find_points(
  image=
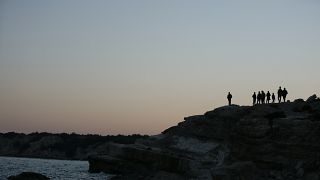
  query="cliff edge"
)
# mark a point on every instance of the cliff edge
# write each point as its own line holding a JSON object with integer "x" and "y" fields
{"x": 269, "y": 141}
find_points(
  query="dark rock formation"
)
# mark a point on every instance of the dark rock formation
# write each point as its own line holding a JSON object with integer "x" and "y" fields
{"x": 132, "y": 158}
{"x": 28, "y": 176}
{"x": 269, "y": 141}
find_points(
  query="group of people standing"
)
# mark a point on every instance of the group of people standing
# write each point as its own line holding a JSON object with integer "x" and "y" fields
{"x": 262, "y": 97}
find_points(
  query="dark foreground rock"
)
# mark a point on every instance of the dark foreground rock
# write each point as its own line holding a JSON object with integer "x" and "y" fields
{"x": 261, "y": 142}
{"x": 28, "y": 176}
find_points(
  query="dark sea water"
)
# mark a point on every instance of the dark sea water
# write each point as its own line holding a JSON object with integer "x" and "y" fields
{"x": 54, "y": 169}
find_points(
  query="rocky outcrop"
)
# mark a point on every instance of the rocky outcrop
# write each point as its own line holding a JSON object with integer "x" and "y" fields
{"x": 269, "y": 141}
{"x": 28, "y": 176}
{"x": 132, "y": 158}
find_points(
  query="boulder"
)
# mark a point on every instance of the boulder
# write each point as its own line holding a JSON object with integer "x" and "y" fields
{"x": 312, "y": 98}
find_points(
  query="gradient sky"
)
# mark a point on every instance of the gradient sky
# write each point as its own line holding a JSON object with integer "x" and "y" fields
{"x": 123, "y": 66}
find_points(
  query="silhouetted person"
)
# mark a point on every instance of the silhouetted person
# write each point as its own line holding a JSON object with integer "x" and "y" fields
{"x": 268, "y": 97}
{"x": 273, "y": 97}
{"x": 254, "y": 98}
{"x": 284, "y": 94}
{"x": 229, "y": 97}
{"x": 259, "y": 97}
{"x": 263, "y": 97}
{"x": 279, "y": 94}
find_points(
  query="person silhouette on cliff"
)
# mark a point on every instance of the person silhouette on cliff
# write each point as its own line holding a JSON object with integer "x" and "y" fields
{"x": 263, "y": 97}
{"x": 259, "y": 97}
{"x": 254, "y": 98}
{"x": 273, "y": 97}
{"x": 284, "y": 94}
{"x": 268, "y": 97}
{"x": 279, "y": 94}
{"x": 229, "y": 97}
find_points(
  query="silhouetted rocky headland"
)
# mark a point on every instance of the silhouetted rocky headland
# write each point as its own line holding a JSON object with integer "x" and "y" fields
{"x": 269, "y": 141}
{"x": 58, "y": 146}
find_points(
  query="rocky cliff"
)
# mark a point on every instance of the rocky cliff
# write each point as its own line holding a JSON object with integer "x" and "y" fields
{"x": 269, "y": 141}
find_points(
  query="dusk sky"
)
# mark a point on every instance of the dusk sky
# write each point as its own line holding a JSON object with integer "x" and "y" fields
{"x": 135, "y": 66}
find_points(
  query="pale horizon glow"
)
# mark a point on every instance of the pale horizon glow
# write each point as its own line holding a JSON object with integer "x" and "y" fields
{"x": 125, "y": 67}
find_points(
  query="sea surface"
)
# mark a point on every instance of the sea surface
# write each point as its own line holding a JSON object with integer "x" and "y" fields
{"x": 54, "y": 169}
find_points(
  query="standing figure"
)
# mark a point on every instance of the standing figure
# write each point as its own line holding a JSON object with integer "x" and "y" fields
{"x": 279, "y": 94}
{"x": 259, "y": 97}
{"x": 268, "y": 97}
{"x": 229, "y": 97}
{"x": 273, "y": 97}
{"x": 254, "y": 98}
{"x": 284, "y": 94}
{"x": 263, "y": 96}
